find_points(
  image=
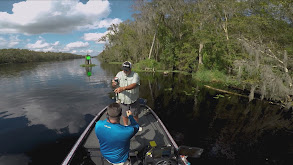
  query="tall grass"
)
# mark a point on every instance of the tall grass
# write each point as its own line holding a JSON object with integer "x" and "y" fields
{"x": 148, "y": 64}
{"x": 217, "y": 76}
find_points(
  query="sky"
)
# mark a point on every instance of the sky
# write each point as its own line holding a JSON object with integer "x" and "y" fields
{"x": 71, "y": 26}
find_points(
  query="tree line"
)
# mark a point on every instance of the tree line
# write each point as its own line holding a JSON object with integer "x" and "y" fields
{"x": 25, "y": 56}
{"x": 249, "y": 40}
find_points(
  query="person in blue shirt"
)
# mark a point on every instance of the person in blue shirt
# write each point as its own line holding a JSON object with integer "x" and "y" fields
{"x": 114, "y": 138}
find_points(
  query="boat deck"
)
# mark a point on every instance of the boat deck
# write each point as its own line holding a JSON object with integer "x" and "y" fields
{"x": 151, "y": 131}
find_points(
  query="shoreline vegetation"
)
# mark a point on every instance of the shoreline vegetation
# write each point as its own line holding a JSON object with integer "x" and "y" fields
{"x": 25, "y": 56}
{"x": 89, "y": 65}
{"x": 243, "y": 44}
{"x": 208, "y": 78}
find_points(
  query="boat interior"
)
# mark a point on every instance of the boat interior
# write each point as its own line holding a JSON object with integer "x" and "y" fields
{"x": 152, "y": 133}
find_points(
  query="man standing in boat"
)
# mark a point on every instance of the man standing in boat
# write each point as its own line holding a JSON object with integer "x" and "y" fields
{"x": 128, "y": 83}
{"x": 114, "y": 138}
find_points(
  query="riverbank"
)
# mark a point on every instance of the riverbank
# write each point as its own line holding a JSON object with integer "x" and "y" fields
{"x": 25, "y": 56}
{"x": 220, "y": 81}
{"x": 202, "y": 75}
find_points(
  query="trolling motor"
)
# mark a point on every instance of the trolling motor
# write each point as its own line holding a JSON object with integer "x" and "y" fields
{"x": 167, "y": 155}
{"x": 159, "y": 156}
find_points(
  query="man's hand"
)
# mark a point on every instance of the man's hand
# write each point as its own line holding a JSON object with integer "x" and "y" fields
{"x": 128, "y": 113}
{"x": 120, "y": 89}
{"x": 114, "y": 83}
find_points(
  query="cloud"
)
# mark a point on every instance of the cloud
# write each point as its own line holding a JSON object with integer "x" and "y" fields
{"x": 103, "y": 23}
{"x": 10, "y": 42}
{"x": 94, "y": 37}
{"x": 51, "y": 16}
{"x": 107, "y": 22}
{"x": 86, "y": 51}
{"x": 38, "y": 45}
{"x": 13, "y": 41}
{"x": 42, "y": 45}
{"x": 56, "y": 43}
{"x": 62, "y": 110}
{"x": 49, "y": 49}
{"x": 77, "y": 44}
{"x": 2, "y": 42}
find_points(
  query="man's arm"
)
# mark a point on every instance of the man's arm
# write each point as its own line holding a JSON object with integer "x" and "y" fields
{"x": 133, "y": 123}
{"x": 129, "y": 87}
{"x": 134, "y": 84}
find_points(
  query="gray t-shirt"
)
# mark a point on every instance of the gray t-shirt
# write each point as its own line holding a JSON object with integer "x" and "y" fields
{"x": 128, "y": 96}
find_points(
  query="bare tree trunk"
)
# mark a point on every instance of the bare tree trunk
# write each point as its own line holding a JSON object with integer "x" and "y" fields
{"x": 225, "y": 26}
{"x": 157, "y": 51}
{"x": 199, "y": 54}
{"x": 251, "y": 95}
{"x": 152, "y": 45}
{"x": 289, "y": 79}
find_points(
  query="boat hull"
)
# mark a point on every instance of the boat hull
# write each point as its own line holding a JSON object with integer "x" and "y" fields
{"x": 87, "y": 148}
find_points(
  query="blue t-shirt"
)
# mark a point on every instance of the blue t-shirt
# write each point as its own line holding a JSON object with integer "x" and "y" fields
{"x": 115, "y": 139}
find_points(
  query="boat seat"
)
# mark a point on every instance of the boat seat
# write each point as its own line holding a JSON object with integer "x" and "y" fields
{"x": 97, "y": 157}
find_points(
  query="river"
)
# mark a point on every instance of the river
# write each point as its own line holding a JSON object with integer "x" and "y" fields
{"x": 44, "y": 107}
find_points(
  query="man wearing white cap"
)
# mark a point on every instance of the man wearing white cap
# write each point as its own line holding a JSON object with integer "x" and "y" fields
{"x": 128, "y": 91}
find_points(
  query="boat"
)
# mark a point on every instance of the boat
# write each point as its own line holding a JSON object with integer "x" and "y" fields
{"x": 152, "y": 145}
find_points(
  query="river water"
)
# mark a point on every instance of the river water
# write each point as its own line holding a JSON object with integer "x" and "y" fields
{"x": 44, "y": 107}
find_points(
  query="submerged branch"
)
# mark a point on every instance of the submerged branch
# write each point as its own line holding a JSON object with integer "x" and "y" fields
{"x": 224, "y": 91}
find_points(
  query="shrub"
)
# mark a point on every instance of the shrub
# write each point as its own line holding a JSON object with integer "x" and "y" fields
{"x": 149, "y": 63}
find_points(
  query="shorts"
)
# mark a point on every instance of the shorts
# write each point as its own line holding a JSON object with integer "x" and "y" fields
{"x": 134, "y": 108}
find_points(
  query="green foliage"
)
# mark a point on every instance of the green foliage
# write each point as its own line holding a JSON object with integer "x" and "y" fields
{"x": 25, "y": 56}
{"x": 219, "y": 96}
{"x": 217, "y": 76}
{"x": 85, "y": 65}
{"x": 125, "y": 43}
{"x": 241, "y": 39}
{"x": 148, "y": 64}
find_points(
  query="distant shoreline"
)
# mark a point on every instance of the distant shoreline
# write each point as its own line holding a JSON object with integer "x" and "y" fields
{"x": 9, "y": 56}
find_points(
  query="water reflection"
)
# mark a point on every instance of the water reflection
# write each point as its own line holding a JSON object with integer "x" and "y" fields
{"x": 44, "y": 102}
{"x": 54, "y": 94}
{"x": 228, "y": 127}
{"x": 88, "y": 71}
{"x": 41, "y": 103}
{"x": 239, "y": 124}
{"x": 18, "y": 159}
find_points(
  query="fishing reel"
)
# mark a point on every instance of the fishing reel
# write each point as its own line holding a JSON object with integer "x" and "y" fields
{"x": 116, "y": 80}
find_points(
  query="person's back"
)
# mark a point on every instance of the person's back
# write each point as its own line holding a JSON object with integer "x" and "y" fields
{"x": 114, "y": 138}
